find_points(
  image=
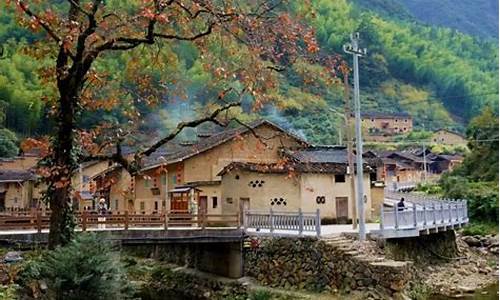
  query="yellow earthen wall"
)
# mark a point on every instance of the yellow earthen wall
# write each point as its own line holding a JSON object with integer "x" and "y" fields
{"x": 448, "y": 138}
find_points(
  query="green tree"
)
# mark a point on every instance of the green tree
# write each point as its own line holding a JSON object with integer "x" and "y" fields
{"x": 477, "y": 178}
{"x": 8, "y": 143}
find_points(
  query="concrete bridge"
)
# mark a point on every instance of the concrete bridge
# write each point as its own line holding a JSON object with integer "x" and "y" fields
{"x": 421, "y": 215}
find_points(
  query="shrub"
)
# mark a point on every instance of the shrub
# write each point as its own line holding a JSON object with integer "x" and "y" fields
{"x": 86, "y": 268}
{"x": 482, "y": 196}
{"x": 480, "y": 229}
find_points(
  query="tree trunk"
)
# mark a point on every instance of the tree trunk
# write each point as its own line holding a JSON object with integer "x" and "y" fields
{"x": 65, "y": 163}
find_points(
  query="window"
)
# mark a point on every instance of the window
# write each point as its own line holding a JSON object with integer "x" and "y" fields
{"x": 395, "y": 128}
{"x": 174, "y": 179}
{"x": 373, "y": 120}
{"x": 146, "y": 182}
{"x": 278, "y": 201}
{"x": 156, "y": 205}
{"x": 214, "y": 202}
{"x": 116, "y": 204}
{"x": 321, "y": 199}
{"x": 163, "y": 179}
{"x": 229, "y": 200}
{"x": 155, "y": 191}
{"x": 396, "y": 120}
{"x": 406, "y": 120}
{"x": 340, "y": 178}
{"x": 142, "y": 205}
{"x": 404, "y": 129}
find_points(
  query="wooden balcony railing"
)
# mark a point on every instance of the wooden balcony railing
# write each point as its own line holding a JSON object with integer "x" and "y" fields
{"x": 91, "y": 220}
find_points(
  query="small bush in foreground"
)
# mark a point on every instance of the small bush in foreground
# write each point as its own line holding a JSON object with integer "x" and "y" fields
{"x": 86, "y": 268}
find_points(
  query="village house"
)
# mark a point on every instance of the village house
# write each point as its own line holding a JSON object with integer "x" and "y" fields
{"x": 448, "y": 137}
{"x": 386, "y": 124}
{"x": 308, "y": 179}
{"x": 185, "y": 176}
{"x": 18, "y": 189}
{"x": 445, "y": 163}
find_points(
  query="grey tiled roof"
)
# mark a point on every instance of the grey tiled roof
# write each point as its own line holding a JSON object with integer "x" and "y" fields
{"x": 385, "y": 115}
{"x": 174, "y": 151}
{"x": 280, "y": 168}
{"x": 16, "y": 175}
{"x": 320, "y": 154}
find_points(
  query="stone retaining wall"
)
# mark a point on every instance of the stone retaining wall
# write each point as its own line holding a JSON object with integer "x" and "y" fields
{"x": 423, "y": 249}
{"x": 317, "y": 265}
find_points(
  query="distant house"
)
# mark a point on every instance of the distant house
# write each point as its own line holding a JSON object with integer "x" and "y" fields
{"x": 448, "y": 137}
{"x": 380, "y": 125}
{"x": 309, "y": 179}
{"x": 17, "y": 189}
{"x": 444, "y": 163}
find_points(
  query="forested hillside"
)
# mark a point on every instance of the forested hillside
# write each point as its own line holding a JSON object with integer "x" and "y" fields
{"x": 475, "y": 17}
{"x": 440, "y": 76}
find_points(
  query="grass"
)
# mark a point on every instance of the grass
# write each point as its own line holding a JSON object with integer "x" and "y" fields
{"x": 480, "y": 228}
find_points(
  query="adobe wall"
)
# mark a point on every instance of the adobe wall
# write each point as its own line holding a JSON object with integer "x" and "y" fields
{"x": 205, "y": 166}
{"x": 297, "y": 191}
{"x": 324, "y": 185}
{"x": 448, "y": 138}
{"x": 261, "y": 189}
{"x": 18, "y": 194}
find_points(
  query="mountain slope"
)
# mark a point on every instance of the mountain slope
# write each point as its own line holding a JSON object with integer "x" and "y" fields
{"x": 440, "y": 76}
{"x": 475, "y": 17}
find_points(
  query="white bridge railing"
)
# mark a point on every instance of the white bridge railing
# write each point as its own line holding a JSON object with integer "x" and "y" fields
{"x": 282, "y": 222}
{"x": 424, "y": 215}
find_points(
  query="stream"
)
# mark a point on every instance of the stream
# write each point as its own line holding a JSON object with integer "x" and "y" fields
{"x": 487, "y": 293}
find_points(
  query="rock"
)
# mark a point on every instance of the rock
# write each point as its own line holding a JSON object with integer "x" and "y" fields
{"x": 472, "y": 241}
{"x": 463, "y": 271}
{"x": 12, "y": 256}
{"x": 466, "y": 289}
{"x": 430, "y": 269}
{"x": 493, "y": 250}
{"x": 43, "y": 285}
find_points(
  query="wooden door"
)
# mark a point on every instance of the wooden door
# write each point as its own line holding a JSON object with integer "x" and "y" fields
{"x": 202, "y": 208}
{"x": 244, "y": 206}
{"x": 2, "y": 200}
{"x": 341, "y": 204}
{"x": 179, "y": 203}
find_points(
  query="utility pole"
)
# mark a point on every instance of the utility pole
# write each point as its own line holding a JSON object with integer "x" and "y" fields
{"x": 356, "y": 52}
{"x": 350, "y": 162}
{"x": 425, "y": 158}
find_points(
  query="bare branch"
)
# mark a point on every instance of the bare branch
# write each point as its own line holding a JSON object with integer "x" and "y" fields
{"x": 134, "y": 166}
{"x": 24, "y": 7}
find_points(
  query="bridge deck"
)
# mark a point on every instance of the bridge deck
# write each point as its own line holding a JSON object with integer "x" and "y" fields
{"x": 421, "y": 217}
{"x": 151, "y": 235}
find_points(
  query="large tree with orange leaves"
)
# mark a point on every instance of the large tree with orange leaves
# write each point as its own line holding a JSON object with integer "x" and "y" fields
{"x": 79, "y": 33}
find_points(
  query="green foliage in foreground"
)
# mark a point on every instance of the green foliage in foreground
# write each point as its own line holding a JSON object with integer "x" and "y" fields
{"x": 480, "y": 229}
{"x": 86, "y": 268}
{"x": 477, "y": 178}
